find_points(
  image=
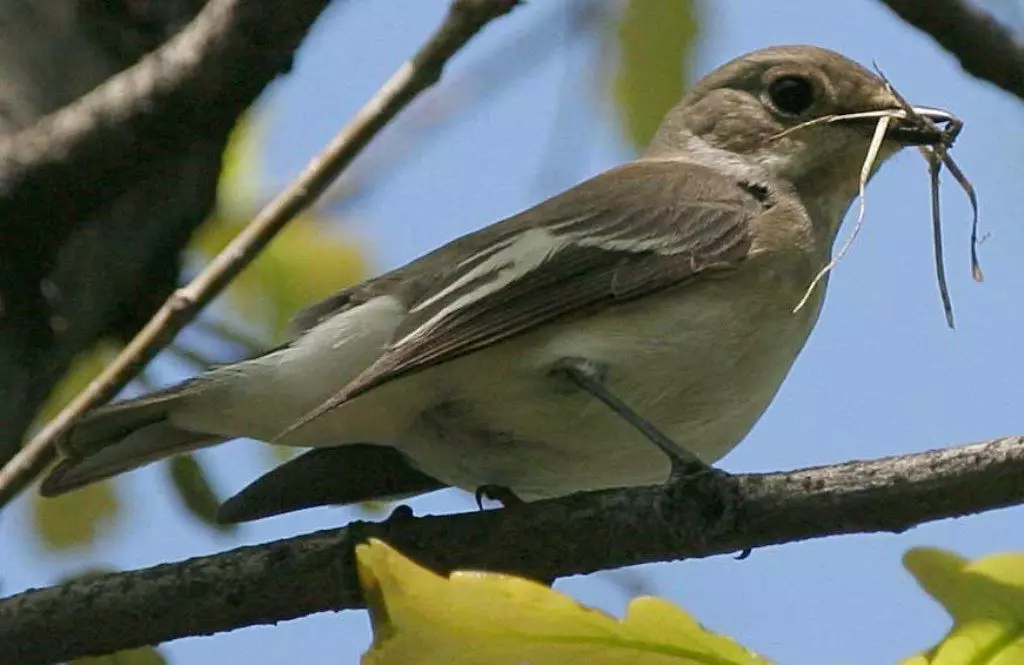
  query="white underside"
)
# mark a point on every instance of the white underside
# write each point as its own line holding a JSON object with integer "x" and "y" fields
{"x": 685, "y": 360}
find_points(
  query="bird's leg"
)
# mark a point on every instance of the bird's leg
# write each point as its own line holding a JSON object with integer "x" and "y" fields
{"x": 712, "y": 493}
{"x": 590, "y": 377}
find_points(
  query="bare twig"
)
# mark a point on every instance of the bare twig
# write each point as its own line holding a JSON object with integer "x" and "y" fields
{"x": 567, "y": 536}
{"x": 464, "y": 19}
{"x": 985, "y": 48}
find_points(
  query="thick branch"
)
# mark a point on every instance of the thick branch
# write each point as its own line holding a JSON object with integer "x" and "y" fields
{"x": 464, "y": 19}
{"x": 88, "y": 239}
{"x": 199, "y": 82}
{"x": 573, "y": 535}
{"x": 985, "y": 48}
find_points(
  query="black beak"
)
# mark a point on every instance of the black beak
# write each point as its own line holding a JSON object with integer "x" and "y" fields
{"x": 925, "y": 126}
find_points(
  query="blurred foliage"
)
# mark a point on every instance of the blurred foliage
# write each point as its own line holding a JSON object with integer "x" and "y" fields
{"x": 75, "y": 519}
{"x": 985, "y": 599}
{"x": 196, "y": 493}
{"x": 305, "y": 262}
{"x": 83, "y": 370}
{"x": 495, "y": 619}
{"x": 655, "y": 39}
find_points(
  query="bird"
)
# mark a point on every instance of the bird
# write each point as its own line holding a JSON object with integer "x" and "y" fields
{"x": 666, "y": 288}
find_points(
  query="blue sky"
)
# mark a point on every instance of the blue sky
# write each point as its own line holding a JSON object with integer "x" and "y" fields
{"x": 881, "y": 374}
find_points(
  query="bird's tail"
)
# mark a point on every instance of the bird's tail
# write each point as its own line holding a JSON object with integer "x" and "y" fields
{"x": 121, "y": 437}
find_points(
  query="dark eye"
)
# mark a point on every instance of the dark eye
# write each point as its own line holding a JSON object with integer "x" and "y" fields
{"x": 791, "y": 94}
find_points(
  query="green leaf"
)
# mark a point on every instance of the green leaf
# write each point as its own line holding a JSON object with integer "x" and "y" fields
{"x": 985, "y": 598}
{"x": 475, "y": 618}
{"x": 655, "y": 39}
{"x": 195, "y": 491}
{"x": 76, "y": 519}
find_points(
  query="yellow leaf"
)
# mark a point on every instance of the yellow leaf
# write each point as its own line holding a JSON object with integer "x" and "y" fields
{"x": 493, "y": 619}
{"x": 655, "y": 38}
{"x": 985, "y": 599}
{"x": 85, "y": 367}
{"x": 75, "y": 519}
{"x": 241, "y": 171}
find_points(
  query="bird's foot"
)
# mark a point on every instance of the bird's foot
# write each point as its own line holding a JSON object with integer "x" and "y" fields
{"x": 704, "y": 500}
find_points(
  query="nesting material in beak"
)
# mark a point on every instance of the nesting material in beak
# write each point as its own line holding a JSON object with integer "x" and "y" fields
{"x": 933, "y": 131}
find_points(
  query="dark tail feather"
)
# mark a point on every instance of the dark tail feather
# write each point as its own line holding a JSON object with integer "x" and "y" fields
{"x": 325, "y": 476}
{"x": 121, "y": 437}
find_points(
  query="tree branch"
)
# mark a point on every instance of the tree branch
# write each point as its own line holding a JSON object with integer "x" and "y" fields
{"x": 985, "y": 48}
{"x": 567, "y": 536}
{"x": 464, "y": 19}
{"x": 197, "y": 83}
{"x": 98, "y": 197}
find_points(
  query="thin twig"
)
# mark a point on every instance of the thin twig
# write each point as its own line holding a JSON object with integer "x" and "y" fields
{"x": 464, "y": 19}
{"x": 571, "y": 535}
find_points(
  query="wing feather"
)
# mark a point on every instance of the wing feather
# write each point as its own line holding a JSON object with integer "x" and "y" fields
{"x": 624, "y": 234}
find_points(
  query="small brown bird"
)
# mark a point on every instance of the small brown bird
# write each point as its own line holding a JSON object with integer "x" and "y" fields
{"x": 665, "y": 287}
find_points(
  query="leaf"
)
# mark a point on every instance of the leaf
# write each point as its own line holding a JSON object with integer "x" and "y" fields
{"x": 76, "y": 519}
{"x": 242, "y": 170}
{"x": 655, "y": 39}
{"x": 195, "y": 491}
{"x": 85, "y": 367}
{"x": 494, "y": 619}
{"x": 985, "y": 599}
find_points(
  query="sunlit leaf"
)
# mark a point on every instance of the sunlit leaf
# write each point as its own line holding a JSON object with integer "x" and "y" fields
{"x": 241, "y": 171}
{"x": 195, "y": 491}
{"x": 492, "y": 619}
{"x": 140, "y": 656}
{"x": 985, "y": 599}
{"x": 84, "y": 369}
{"x": 655, "y": 39}
{"x": 75, "y": 519}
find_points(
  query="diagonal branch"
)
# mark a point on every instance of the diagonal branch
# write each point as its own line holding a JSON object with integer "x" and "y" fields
{"x": 568, "y": 536}
{"x": 985, "y": 47}
{"x": 464, "y": 19}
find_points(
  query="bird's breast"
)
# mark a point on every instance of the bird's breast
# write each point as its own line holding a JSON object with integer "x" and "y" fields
{"x": 701, "y": 362}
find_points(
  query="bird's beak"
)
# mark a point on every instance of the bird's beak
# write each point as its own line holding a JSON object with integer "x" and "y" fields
{"x": 925, "y": 126}
{"x": 918, "y": 126}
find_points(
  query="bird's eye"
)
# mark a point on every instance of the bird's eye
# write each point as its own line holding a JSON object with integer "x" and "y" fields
{"x": 792, "y": 95}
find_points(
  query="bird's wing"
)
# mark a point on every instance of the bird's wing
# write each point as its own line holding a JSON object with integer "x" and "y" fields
{"x": 626, "y": 233}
